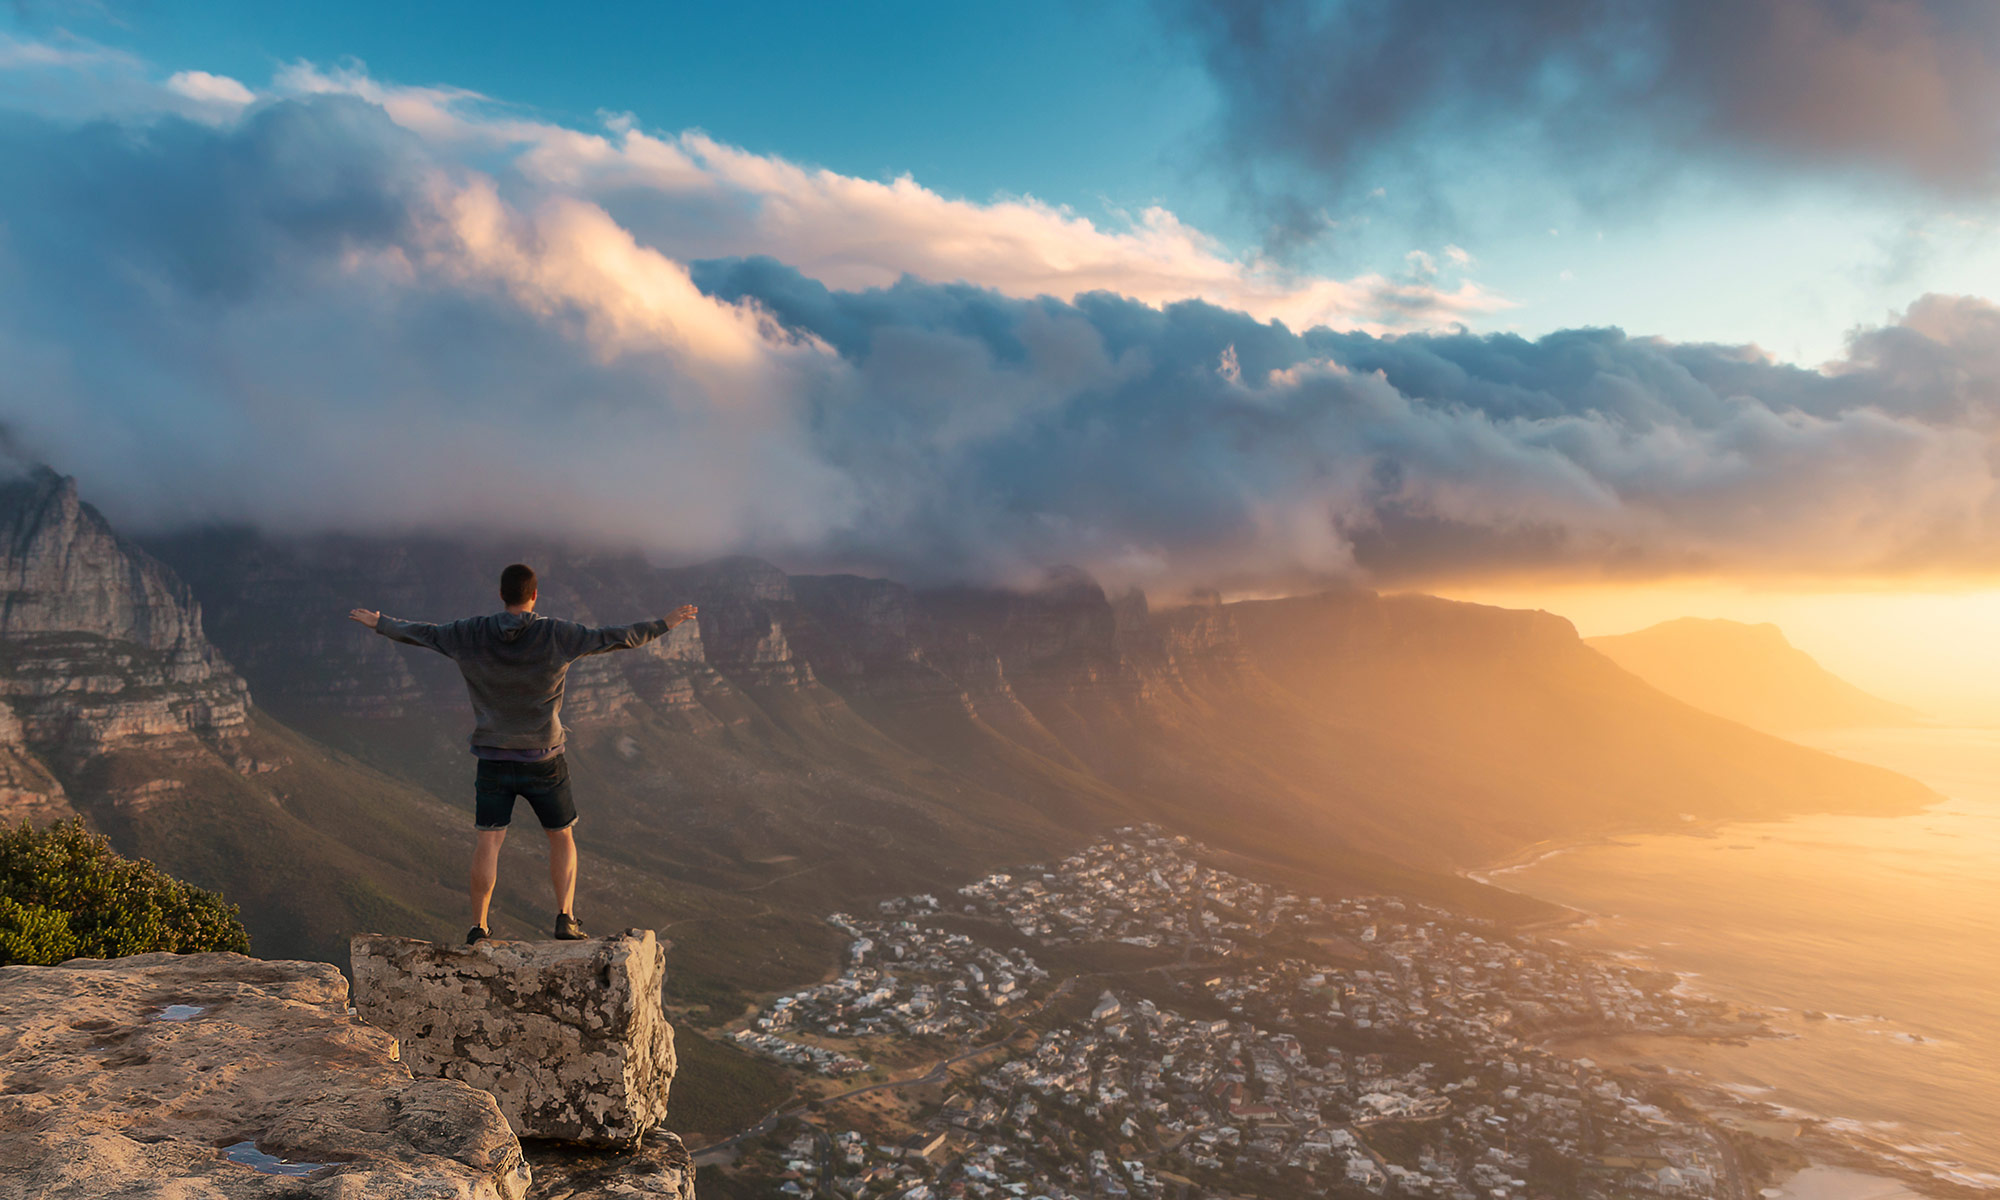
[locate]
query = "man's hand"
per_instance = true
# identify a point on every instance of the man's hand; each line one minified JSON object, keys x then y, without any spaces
{"x":684,"y":613}
{"x":367,"y":617}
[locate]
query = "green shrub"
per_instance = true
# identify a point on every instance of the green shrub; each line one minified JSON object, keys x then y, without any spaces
{"x":30,"y":933}
{"x":65,"y":893}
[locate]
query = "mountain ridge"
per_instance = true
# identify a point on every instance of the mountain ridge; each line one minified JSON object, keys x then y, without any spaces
{"x":814,"y":738}
{"x":1750,"y":673}
{"x":809,"y":744}
{"x":1152,"y":704}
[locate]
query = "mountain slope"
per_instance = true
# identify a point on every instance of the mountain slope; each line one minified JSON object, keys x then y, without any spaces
{"x":813,"y":741}
{"x":117,"y":707}
{"x":810,"y":744}
{"x":1339,"y":734}
{"x":730,"y":813}
{"x":1747,"y":673}
{"x":1503,"y":727}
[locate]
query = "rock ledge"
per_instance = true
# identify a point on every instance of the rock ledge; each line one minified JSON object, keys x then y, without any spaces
{"x":144,"y":1076}
{"x":569,"y":1037}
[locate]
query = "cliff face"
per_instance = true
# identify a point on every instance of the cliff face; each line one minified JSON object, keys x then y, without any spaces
{"x":65,"y":571}
{"x":808,"y":728}
{"x":1315,"y":727}
{"x":115,"y":706}
{"x":223,"y":1077}
{"x":101,"y":655}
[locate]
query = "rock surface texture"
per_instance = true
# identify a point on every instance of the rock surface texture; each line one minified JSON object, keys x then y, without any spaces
{"x":569,"y":1037}
{"x":218,"y":1076}
{"x":662,"y":1169}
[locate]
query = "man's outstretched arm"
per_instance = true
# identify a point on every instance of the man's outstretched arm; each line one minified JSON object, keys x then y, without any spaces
{"x":580,"y":640}
{"x":415,"y":633}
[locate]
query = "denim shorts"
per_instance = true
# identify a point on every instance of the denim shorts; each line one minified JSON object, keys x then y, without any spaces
{"x":544,"y":785}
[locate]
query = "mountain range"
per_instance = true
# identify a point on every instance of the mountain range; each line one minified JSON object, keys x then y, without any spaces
{"x":812,"y":740}
{"x":1747,"y":673}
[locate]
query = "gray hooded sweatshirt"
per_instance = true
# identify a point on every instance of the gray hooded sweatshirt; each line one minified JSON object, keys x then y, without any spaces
{"x":514,"y":665}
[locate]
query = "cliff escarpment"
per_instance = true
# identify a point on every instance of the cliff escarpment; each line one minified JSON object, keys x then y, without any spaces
{"x":1319,"y":730}
{"x":223,"y":1076}
{"x":116,"y":706}
{"x":102,"y":662}
{"x":811,"y":739}
{"x":810,"y":743}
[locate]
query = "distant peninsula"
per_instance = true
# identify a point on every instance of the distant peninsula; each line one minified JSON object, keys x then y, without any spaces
{"x":1748,"y":673}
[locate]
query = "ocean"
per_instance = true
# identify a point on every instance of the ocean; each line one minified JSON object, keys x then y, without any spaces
{"x":1876,"y":940}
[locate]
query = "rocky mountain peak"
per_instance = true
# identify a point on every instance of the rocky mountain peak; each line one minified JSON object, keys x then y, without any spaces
{"x":63,"y":569}
{"x":103,"y":651}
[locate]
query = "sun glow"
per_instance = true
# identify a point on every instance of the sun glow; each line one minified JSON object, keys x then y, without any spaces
{"x":1935,"y":648}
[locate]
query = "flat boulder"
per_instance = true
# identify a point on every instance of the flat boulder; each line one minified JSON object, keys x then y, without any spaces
{"x":569,"y":1037}
{"x":217,"y":1076}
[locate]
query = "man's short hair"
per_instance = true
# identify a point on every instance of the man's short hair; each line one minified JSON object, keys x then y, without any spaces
{"x":517,"y":584}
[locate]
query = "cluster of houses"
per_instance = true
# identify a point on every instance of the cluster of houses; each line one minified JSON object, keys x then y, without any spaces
{"x":904,"y":978}
{"x":1404,"y":1060}
{"x":822,"y":1060}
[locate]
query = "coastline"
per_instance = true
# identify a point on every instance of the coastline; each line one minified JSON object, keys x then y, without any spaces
{"x":1688,"y":826}
{"x":1535,"y":853}
{"x":1781,"y":1142}
{"x":1830,"y":1157}
{"x":1823,"y":1143}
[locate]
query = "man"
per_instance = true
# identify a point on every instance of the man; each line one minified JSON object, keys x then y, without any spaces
{"x":514,"y":663}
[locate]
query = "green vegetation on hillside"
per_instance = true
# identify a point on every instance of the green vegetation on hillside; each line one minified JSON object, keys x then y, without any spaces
{"x":65,"y":893}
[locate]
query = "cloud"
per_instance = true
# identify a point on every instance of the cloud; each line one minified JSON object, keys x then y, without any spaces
{"x":385,"y":311}
{"x":691,"y":195}
{"x":305,"y":320}
{"x":204,"y":88}
{"x":1233,"y":450}
{"x":1608,"y":96}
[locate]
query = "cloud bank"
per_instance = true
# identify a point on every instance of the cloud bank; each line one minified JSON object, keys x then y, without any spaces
{"x":1338,"y":97}
{"x":339,"y":305}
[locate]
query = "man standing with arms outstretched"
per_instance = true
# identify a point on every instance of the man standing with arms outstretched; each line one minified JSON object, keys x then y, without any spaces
{"x":514,"y":663}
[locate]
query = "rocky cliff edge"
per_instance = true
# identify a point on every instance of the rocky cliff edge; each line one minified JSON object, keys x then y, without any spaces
{"x":220,"y":1076}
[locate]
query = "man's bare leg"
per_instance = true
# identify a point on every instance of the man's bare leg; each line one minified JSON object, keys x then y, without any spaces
{"x":485,"y":872}
{"x":562,"y":868}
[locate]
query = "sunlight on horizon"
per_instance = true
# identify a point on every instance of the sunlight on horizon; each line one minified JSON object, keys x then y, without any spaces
{"x":1937,"y":651}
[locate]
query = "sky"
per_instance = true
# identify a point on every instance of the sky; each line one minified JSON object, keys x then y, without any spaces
{"x":1606,"y":306}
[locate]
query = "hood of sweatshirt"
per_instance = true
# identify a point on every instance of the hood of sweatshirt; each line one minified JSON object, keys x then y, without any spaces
{"x":512,"y":623}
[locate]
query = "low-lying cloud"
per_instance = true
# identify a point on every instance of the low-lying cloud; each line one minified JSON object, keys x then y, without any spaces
{"x":344,"y":306}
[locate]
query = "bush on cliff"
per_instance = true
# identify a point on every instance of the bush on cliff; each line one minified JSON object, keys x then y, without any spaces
{"x":65,"y":893}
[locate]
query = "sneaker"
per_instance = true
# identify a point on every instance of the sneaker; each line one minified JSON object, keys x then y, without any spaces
{"x":475,"y":935}
{"x":568,"y":930}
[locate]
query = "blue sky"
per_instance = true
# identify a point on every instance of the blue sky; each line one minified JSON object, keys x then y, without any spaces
{"x":1076,"y":103}
{"x":1107,"y":108}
